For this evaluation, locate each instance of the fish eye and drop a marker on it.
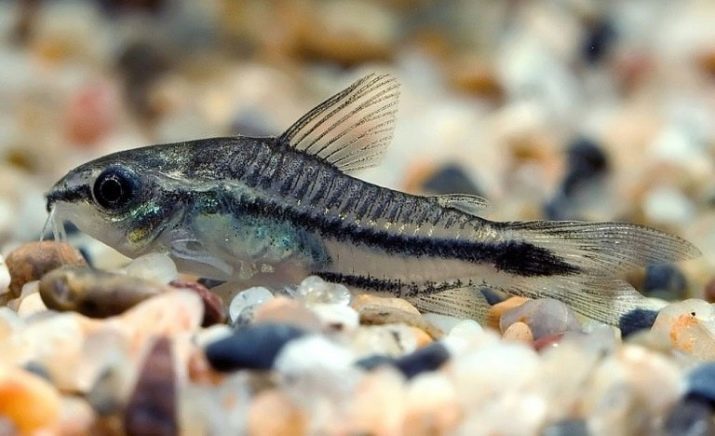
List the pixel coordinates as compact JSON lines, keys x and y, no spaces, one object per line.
{"x":114,"y":188}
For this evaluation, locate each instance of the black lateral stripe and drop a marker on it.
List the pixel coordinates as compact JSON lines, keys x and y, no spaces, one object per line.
{"x":515,"y":257}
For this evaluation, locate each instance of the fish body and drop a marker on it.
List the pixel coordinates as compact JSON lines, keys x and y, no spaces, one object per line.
{"x":272,"y":210}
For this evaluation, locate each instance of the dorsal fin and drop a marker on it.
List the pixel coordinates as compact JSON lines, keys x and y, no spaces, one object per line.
{"x":352,"y":129}
{"x":469,"y":204}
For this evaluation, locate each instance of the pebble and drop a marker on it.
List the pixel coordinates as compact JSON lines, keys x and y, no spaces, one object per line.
{"x":709,"y":291}
{"x":94,"y":293}
{"x":76,"y":416}
{"x":496,"y":311}
{"x":689,"y":327}
{"x":389,"y":339}
{"x":428,"y":358}
{"x":272,"y":412}
{"x":377,"y":404}
{"x":214,"y":312}
{"x":431,"y":406}
{"x":314,"y":290}
{"x":636,"y":320}
{"x":519,"y":332}
{"x":30,"y":403}
{"x":4,"y":276}
{"x":449,"y":179}
{"x":382,"y":310}
{"x":152,"y":406}
{"x":249,"y":298}
{"x":156,"y":267}
{"x":337,"y":317}
{"x":701,"y":383}
{"x":544,"y":317}
{"x":569,"y":427}
{"x":31,"y":261}
{"x":586,"y":161}
{"x":691,"y":417}
{"x":254,"y":347}
{"x":30,"y":305}
{"x":665,"y":281}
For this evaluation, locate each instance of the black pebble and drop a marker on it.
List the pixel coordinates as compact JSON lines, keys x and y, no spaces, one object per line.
{"x":690,"y":417}
{"x":493,"y":297}
{"x":598,"y":40}
{"x":428,"y":358}
{"x":450,"y":179}
{"x":37,"y":369}
{"x":209,"y":283}
{"x":701,"y":383}
{"x":371,"y":362}
{"x":568,"y":427}
{"x":665,"y":281}
{"x":253,"y":347}
{"x":586,"y":161}
{"x":636,"y":320}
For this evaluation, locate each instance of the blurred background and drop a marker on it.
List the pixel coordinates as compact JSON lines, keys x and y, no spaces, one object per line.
{"x":557,"y":109}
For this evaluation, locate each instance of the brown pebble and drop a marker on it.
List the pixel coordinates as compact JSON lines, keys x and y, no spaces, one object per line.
{"x":387,"y":310}
{"x":519,"y":332}
{"x":287,"y":311}
{"x":214,"y":312}
{"x":152,"y":406}
{"x":94,"y":293}
{"x":273,"y":413}
{"x":709,"y":291}
{"x":496,"y":311}
{"x":33,"y":260}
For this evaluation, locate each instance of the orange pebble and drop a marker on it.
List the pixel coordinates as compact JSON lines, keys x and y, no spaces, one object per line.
{"x":28,"y":401}
{"x":518,"y":331}
{"x":272,"y":413}
{"x":496,"y":311}
{"x":422,"y":337}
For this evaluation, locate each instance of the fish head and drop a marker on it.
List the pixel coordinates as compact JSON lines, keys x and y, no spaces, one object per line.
{"x":114,"y":200}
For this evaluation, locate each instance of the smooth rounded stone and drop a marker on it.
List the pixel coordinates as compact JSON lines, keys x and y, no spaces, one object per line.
{"x":432,"y":407}
{"x":30,"y":403}
{"x":468,"y":335}
{"x":545,"y":317}
{"x":94,"y":293}
{"x":252,"y":297}
{"x":254,"y":347}
{"x":31,"y":305}
{"x":376,"y":405}
{"x":284,"y":310}
{"x":336,"y":317}
{"x":513,"y":413}
{"x":586,"y":161}
{"x":218,"y":409}
{"x":636,"y":320}
{"x":689,"y":326}
{"x":76,"y":416}
{"x":568,"y":427}
{"x":442,"y":322}
{"x":708,"y":292}
{"x":701,"y":382}
{"x":387,"y":310}
{"x":519,"y":332}
{"x":156,"y":267}
{"x":10,"y":322}
{"x":152,"y":407}
{"x":272,"y":412}
{"x":668,"y":205}
{"x":4,"y":276}
{"x":103,"y":350}
{"x":315,"y":290}
{"x":214,"y":312}
{"x":428,"y":358}
{"x":496,"y":311}
{"x":691,"y":417}
{"x":665,"y":281}
{"x":33,"y":260}
{"x":390,"y":339}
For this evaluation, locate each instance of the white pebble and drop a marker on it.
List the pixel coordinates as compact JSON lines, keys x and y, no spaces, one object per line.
{"x":314,"y":290}
{"x":31,"y":305}
{"x":153,"y":266}
{"x":244,"y":299}
{"x":4,"y":276}
{"x":668,"y":205}
{"x":444,"y":322}
{"x":337,"y":316}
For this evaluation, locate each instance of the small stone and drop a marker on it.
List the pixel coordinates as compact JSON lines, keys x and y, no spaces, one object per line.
{"x":337,"y":317}
{"x":156,"y":267}
{"x":377,"y":405}
{"x":374,"y":361}
{"x":10,"y":322}
{"x":381,"y":310}
{"x":467,"y":335}
{"x":30,"y":403}
{"x":442,"y":322}
{"x":422,"y":337}
{"x":691,"y":417}
{"x":428,"y":358}
{"x":274,"y":413}
{"x":701,"y":383}
{"x":76,"y":416}
{"x":586,"y":161}
{"x":152,"y":407}
{"x":545,"y":317}
{"x":365,"y":301}
{"x":496,"y":311}
{"x":688,"y":326}
{"x":248,"y":298}
{"x":31,"y":305}
{"x":519,"y":332}
{"x":254,"y":347}
{"x":709,"y":291}
{"x":284,"y":310}
{"x":598,"y":40}
{"x":31,"y":261}
{"x":315,"y":290}
{"x":4,"y":276}
{"x":214,"y":312}
{"x":636,"y":320}
{"x":449,"y":179}
{"x":432,"y":407}
{"x":389,"y":339}
{"x":665,"y":281}
{"x":94,"y":293}
{"x":569,"y":427}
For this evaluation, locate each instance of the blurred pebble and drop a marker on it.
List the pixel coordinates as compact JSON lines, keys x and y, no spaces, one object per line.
{"x":428,"y":358}
{"x":570,"y":427}
{"x":90,"y":113}
{"x":689,"y":326}
{"x":95,"y":293}
{"x":152,"y":406}
{"x":336,"y":317}
{"x":33,"y":260}
{"x":76,"y":417}
{"x":389,"y":339}
{"x":443,"y":322}
{"x":254,"y":347}
{"x":544,"y":317}
{"x":272,"y":412}
{"x":4,"y":276}
{"x":665,"y":281}
{"x":31,"y":305}
{"x":314,"y":290}
{"x":431,"y":403}
{"x":709,"y":291}
{"x":214,"y":312}
{"x":157,"y":267}
{"x":519,"y":332}
{"x":29,"y":402}
{"x":286,"y":311}
{"x":667,"y":205}
{"x":466,"y":335}
{"x":598,"y":40}
{"x":701,"y":383}
{"x":586,"y":161}
{"x":496,"y":311}
{"x":636,"y":320}
{"x":691,"y":417}
{"x":247,"y":298}
{"x":450,"y":179}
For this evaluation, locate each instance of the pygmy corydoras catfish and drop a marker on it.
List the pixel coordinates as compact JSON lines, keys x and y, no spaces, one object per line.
{"x":275,"y":209}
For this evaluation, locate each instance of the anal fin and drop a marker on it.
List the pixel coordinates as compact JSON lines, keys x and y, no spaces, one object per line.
{"x":465,"y":302}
